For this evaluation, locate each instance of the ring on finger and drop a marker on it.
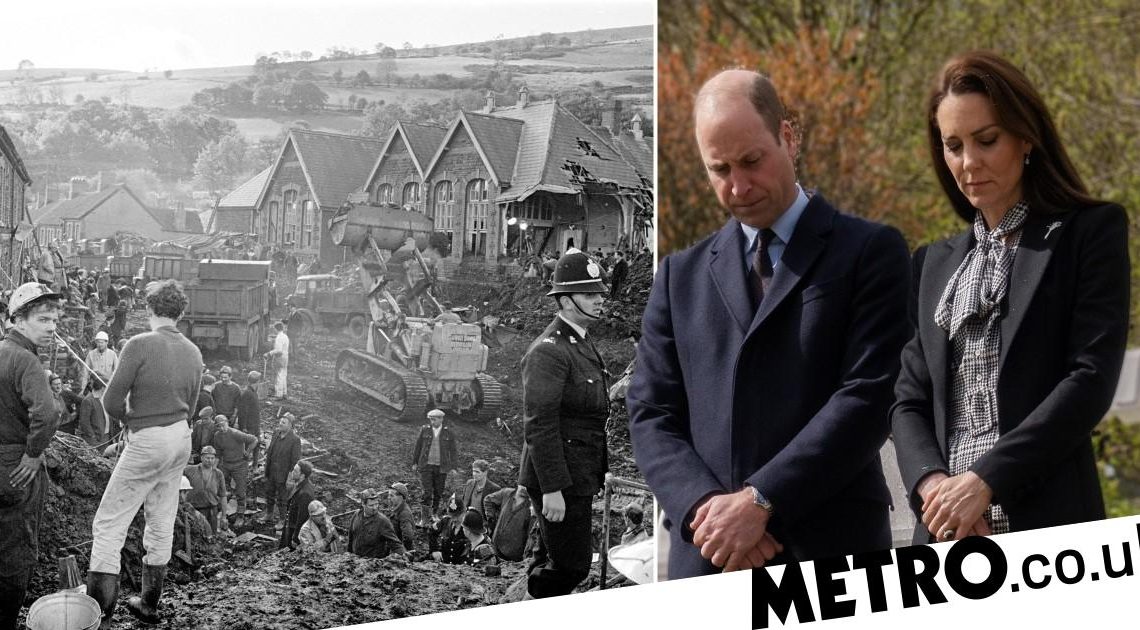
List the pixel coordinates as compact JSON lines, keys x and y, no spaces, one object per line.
{"x":948,"y":533}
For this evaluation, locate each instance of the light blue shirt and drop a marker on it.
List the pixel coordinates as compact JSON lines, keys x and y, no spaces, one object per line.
{"x":784,"y":227}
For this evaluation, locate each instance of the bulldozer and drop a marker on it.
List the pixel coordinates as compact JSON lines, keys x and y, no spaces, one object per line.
{"x":417,"y":354}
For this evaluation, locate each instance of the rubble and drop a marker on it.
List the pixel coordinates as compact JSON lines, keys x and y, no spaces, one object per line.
{"x":353,"y":444}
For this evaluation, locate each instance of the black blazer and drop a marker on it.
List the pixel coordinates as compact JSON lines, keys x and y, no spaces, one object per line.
{"x":1063,"y":331}
{"x":792,"y":399}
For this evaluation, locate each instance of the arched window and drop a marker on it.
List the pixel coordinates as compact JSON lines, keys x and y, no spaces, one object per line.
{"x":477,"y":207}
{"x":291,"y":218}
{"x":445,"y":208}
{"x":384,"y":193}
{"x":308,"y":222}
{"x":274,"y":220}
{"x":411,"y":195}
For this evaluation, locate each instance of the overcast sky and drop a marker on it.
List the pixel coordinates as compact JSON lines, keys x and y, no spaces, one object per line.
{"x":175,"y":34}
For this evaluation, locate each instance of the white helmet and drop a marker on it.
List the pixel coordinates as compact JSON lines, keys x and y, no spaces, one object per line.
{"x":27,"y":293}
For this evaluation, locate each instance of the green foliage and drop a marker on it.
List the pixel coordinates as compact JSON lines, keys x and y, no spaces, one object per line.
{"x":1081,"y":55}
{"x":1118,"y":457}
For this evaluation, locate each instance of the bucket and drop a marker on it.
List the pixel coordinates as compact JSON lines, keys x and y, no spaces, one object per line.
{"x":64,"y":610}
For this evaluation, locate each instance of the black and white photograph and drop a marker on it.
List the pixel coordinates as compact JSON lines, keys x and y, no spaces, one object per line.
{"x":318,"y":314}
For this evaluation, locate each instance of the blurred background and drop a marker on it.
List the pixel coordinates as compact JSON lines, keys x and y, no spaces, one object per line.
{"x":855,"y":76}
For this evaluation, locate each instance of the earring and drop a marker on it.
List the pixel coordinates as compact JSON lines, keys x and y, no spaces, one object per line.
{"x":1027,"y":159}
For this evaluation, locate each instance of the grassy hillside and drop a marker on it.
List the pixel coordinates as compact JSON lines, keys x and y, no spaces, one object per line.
{"x":623,"y":63}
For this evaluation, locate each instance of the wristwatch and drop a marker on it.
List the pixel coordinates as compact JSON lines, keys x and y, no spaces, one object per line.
{"x":759,"y":499}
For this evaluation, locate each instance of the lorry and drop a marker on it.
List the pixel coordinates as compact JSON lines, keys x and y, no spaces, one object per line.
{"x":123,"y":267}
{"x":327,"y":300}
{"x":229,"y":306}
{"x":88,"y":261}
{"x":168,"y":266}
{"x":416,"y":354}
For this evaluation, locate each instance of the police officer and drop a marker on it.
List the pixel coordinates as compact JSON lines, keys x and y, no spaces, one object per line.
{"x":565,"y":407}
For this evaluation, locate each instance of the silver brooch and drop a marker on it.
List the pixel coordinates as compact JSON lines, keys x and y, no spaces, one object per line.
{"x":1049,"y":228}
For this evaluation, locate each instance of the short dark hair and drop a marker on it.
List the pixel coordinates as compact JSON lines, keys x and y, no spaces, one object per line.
{"x":1050,"y":182}
{"x":167,"y":299}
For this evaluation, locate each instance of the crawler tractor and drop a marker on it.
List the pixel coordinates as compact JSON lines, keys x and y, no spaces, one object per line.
{"x":417,"y":355}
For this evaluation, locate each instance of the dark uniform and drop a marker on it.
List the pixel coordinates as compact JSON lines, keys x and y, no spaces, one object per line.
{"x":565,"y":406}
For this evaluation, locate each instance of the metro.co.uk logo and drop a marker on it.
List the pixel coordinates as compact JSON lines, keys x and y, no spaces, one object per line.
{"x":973,"y":568}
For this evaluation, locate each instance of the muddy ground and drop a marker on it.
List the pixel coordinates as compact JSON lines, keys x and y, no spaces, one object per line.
{"x":254,"y":585}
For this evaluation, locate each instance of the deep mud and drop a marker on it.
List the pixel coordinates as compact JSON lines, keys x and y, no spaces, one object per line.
{"x":353,"y":445}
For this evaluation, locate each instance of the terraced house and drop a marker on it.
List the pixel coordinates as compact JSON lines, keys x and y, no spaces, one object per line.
{"x":14,"y":182}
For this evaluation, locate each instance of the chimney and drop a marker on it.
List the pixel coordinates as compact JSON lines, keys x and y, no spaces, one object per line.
{"x":635,"y":127}
{"x":490,"y":103}
{"x":524,"y":95}
{"x":179,"y":217}
{"x":608,"y":119}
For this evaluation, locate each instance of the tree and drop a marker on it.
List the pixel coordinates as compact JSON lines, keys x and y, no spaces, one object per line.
{"x":304,"y":96}
{"x":379,"y":47}
{"x":306,"y":55}
{"x":220,"y":162}
{"x":338,"y":76}
{"x":408,"y":46}
{"x":362,"y":79}
{"x":564,"y":41}
{"x":386,"y":70}
{"x":352,"y":101}
{"x":168,"y":74}
{"x":265,"y":96}
{"x":546,"y":39}
{"x":379,"y":119}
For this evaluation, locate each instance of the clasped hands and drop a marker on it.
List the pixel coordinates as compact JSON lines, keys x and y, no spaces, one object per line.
{"x":952,"y":507}
{"x":732,"y":531}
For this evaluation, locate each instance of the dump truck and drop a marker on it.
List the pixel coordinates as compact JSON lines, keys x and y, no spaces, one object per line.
{"x":229,"y":306}
{"x":123,"y":267}
{"x":416,"y":354}
{"x":90,"y":262}
{"x":167,"y":266}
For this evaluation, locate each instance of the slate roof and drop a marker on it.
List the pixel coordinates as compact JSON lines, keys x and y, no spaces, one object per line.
{"x":79,"y":207}
{"x":248,"y":194}
{"x":498,"y":138}
{"x":552,"y":137}
{"x":334,"y":164}
{"x":54,"y":213}
{"x":9,"y":149}
{"x":639,"y":153}
{"x":422,"y":141}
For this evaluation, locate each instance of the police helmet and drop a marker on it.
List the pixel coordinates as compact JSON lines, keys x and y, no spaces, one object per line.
{"x":577,"y":273}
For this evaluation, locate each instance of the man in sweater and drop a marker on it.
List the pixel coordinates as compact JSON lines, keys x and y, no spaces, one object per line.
{"x":283,"y":454}
{"x":161,"y":372}
{"x":27,"y":423}
{"x":208,"y":489}
{"x":226,"y":394}
{"x":370,"y":533}
{"x":434,"y":456}
{"x":234,"y":449}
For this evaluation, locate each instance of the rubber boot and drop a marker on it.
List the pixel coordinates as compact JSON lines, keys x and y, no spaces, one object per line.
{"x":145,"y":607}
{"x":104,"y":589}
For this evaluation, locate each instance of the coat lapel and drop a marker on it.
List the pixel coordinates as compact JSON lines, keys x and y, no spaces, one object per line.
{"x":808,"y":241}
{"x":728,"y":271}
{"x":942,"y":260}
{"x":1038,"y":239}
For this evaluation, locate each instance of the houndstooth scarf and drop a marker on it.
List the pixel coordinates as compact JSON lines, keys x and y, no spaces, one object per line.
{"x":980,"y":282}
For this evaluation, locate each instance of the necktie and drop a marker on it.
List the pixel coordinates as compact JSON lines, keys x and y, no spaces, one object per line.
{"x":760,"y":275}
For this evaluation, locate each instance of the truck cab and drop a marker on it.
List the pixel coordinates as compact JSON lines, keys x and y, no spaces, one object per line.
{"x":323,"y":299}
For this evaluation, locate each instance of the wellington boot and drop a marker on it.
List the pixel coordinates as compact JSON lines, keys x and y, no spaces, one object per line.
{"x":104,"y":589}
{"x":145,"y":607}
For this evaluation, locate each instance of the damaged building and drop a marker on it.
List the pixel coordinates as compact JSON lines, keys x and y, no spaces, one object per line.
{"x":501,"y":183}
